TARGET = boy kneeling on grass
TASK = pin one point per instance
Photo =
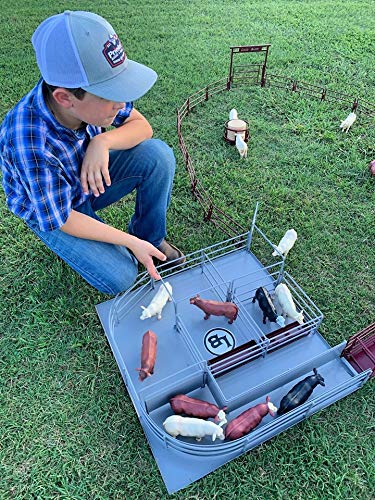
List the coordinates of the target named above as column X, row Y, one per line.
column 60, row 167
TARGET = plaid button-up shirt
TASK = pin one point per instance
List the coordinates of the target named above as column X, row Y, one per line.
column 41, row 161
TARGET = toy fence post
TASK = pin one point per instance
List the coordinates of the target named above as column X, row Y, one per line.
column 264, row 68
column 229, row 296
column 251, row 231
column 230, row 77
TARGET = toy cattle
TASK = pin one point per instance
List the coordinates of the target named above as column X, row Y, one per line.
column 227, row 309
column 266, row 305
column 300, row 392
column 148, row 355
column 286, row 243
column 249, row 419
column 286, row 302
column 156, row 305
column 348, row 122
column 182, row 404
column 176, row 425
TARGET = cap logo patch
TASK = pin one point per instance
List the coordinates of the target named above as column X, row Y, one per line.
column 114, row 51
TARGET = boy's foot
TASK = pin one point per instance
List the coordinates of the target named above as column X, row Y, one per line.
column 174, row 256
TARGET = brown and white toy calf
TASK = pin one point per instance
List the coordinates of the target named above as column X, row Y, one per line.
column 249, row 419
column 192, row 407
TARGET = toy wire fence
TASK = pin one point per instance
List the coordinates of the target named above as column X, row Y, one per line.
column 241, row 75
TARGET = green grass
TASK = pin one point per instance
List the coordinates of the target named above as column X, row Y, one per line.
column 67, row 426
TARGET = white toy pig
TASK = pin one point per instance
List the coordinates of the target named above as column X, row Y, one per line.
column 285, row 300
column 158, row 302
column 192, row 427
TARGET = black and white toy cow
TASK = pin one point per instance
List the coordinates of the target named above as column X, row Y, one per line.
column 267, row 306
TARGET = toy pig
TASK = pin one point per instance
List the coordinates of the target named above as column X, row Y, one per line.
column 176, row 425
column 156, row 305
column 249, row 419
column 266, row 305
column 148, row 356
column 300, row 393
column 192, row 407
column 227, row 309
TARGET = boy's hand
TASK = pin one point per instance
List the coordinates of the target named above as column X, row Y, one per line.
column 95, row 168
column 144, row 251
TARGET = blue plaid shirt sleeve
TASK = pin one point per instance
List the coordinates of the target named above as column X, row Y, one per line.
column 48, row 187
column 123, row 114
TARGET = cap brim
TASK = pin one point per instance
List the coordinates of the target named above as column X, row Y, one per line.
column 129, row 85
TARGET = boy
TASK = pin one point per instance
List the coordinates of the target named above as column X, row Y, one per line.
column 60, row 167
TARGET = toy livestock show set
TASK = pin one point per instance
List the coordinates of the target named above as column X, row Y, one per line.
column 224, row 352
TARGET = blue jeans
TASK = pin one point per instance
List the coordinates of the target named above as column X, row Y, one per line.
column 149, row 169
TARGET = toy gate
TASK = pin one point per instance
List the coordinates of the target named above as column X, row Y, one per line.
column 234, row 365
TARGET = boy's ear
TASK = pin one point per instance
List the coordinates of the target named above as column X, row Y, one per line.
column 63, row 97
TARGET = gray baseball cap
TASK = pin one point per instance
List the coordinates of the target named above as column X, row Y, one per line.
column 81, row 49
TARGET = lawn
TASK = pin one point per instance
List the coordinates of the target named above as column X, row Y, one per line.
column 68, row 428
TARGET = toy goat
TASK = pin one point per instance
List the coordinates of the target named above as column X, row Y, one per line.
column 192, row 427
column 300, row 393
column 249, row 419
column 266, row 305
column 156, row 305
column 233, row 114
column 148, row 355
column 192, row 407
column 227, row 309
column 286, row 243
column 241, row 146
column 348, row 122
column 286, row 302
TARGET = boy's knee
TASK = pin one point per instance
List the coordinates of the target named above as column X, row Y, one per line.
column 118, row 282
column 161, row 153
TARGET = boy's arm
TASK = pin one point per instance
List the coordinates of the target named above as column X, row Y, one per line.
column 83, row 226
column 95, row 163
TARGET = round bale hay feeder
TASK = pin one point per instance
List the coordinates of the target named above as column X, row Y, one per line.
column 233, row 127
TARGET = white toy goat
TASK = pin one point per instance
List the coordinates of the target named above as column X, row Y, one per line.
column 348, row 122
column 286, row 303
column 156, row 305
column 192, row 427
column 241, row 146
column 286, row 243
column 233, row 114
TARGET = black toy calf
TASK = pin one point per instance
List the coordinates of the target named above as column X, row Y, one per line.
column 266, row 304
column 300, row 393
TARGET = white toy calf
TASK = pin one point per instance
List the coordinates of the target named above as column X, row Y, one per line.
column 192, row 427
column 286, row 242
column 158, row 302
column 348, row 122
column 233, row 114
column 285, row 300
column 241, row 146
